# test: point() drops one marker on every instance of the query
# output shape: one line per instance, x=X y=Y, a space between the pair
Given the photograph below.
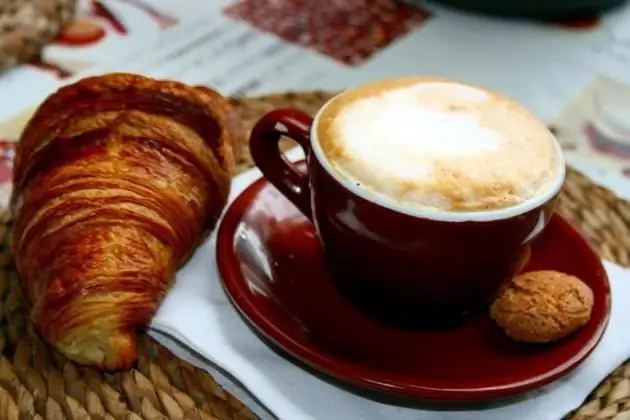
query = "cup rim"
x=436 y=215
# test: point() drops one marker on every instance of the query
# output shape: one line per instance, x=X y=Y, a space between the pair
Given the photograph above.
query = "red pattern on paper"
x=163 y=20
x=349 y=31
x=581 y=24
x=53 y=68
x=81 y=32
x=7 y=152
x=101 y=10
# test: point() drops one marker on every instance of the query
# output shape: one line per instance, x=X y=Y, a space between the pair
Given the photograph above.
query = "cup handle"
x=264 y=148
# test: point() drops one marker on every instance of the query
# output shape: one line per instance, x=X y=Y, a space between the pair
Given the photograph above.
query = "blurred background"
x=568 y=61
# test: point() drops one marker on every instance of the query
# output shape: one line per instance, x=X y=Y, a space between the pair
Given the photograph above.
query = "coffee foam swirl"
x=437 y=144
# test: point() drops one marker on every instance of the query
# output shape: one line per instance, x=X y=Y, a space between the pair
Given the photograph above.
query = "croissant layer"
x=117 y=179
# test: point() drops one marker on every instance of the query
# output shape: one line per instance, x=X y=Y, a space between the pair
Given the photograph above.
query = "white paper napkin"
x=198 y=324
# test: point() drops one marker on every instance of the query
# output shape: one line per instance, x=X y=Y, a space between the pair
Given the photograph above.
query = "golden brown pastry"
x=542 y=306
x=117 y=179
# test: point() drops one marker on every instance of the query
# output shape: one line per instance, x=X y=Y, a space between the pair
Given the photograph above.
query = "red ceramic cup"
x=400 y=264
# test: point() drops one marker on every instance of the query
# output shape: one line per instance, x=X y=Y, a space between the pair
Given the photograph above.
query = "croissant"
x=117 y=179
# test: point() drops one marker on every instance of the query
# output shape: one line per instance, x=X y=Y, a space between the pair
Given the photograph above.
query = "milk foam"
x=439 y=145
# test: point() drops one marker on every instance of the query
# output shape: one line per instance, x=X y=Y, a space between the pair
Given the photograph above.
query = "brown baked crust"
x=117 y=179
x=542 y=306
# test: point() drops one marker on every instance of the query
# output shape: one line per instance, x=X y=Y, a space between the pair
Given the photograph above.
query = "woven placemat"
x=27 y=25
x=36 y=382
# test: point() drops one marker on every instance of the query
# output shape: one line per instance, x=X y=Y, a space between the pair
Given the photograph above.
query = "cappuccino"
x=436 y=144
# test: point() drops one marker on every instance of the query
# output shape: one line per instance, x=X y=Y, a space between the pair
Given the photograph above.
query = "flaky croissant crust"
x=117 y=179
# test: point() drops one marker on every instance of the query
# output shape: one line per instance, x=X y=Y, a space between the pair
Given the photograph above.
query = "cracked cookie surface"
x=542 y=306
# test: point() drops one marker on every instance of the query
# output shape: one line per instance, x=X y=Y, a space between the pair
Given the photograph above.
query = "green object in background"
x=535 y=9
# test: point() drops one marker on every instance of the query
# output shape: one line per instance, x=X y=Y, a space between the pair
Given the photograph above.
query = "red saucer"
x=271 y=265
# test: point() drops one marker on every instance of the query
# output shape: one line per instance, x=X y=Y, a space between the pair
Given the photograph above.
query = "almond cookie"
x=542 y=306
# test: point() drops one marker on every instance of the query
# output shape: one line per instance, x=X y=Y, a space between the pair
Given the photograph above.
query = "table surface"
x=560 y=72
